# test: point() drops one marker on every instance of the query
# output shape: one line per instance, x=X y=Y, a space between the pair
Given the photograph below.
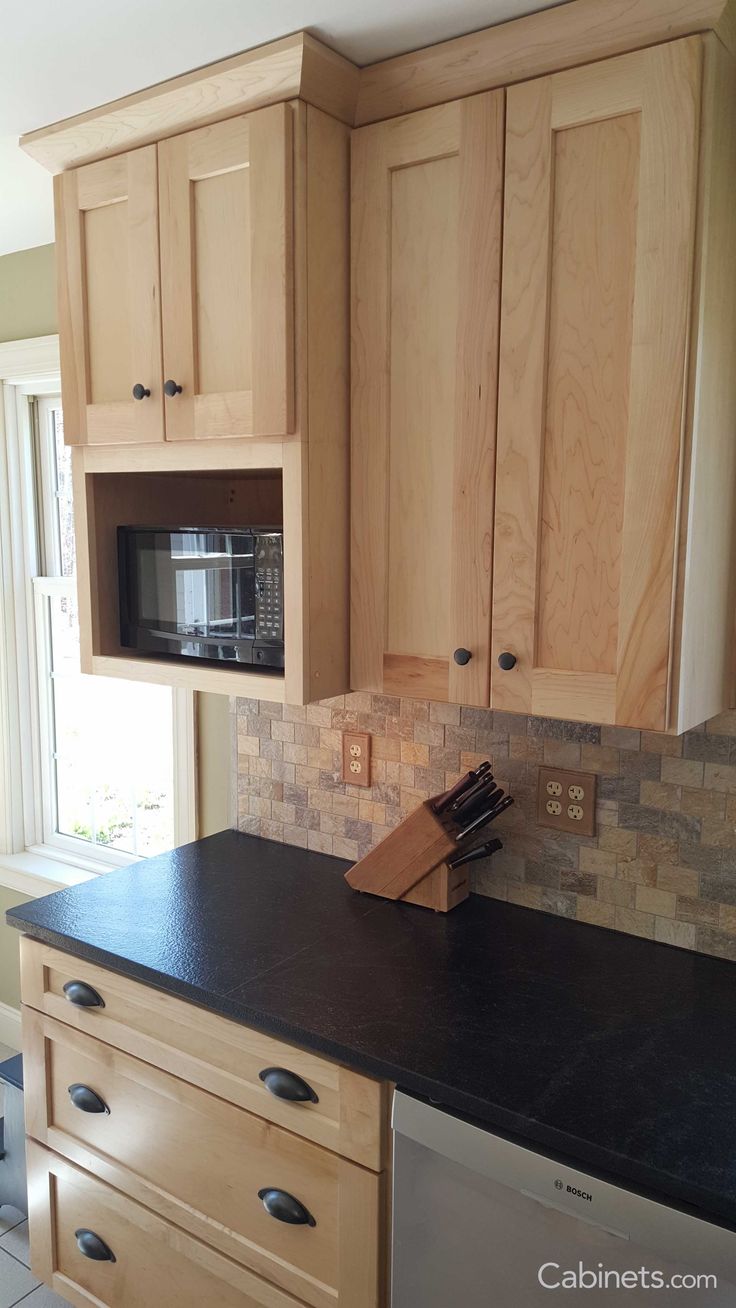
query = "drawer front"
x=204 y=1164
x=155 y=1263
x=348 y=1113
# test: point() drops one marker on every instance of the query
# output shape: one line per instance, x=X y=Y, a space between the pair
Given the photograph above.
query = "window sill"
x=35 y=874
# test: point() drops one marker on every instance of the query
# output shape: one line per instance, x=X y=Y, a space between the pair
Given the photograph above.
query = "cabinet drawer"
x=204 y=1164
x=348 y=1115
x=155 y=1263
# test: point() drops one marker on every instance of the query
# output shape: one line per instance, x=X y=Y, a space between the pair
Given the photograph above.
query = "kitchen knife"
x=482 y=799
x=488 y=815
x=441 y=802
x=482 y=851
x=474 y=792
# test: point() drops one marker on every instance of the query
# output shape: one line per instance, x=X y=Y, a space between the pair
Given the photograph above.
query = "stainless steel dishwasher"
x=481 y=1222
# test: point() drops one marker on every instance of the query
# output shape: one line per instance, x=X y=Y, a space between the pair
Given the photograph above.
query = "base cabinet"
x=180 y=1183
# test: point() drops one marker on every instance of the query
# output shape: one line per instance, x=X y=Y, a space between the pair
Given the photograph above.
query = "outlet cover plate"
x=356 y=758
x=575 y=781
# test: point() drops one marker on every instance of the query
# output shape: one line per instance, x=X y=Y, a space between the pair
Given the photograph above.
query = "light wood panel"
x=155 y=1262
x=109 y=300
x=591 y=393
x=227 y=277
x=577 y=32
x=201 y=1162
x=297 y=65
x=221 y=1057
x=704 y=615
x=426 y=239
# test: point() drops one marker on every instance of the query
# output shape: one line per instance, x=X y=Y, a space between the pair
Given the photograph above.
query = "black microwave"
x=203 y=592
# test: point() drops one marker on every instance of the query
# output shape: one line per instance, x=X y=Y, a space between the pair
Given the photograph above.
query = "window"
x=106 y=765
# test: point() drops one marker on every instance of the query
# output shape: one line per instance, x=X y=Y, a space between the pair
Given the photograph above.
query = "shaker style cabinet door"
x=600 y=196
x=226 y=210
x=426 y=231
x=109 y=300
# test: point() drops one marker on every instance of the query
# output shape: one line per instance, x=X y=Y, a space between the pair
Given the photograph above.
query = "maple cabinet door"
x=600 y=198
x=109 y=300
x=426 y=230
x=226 y=208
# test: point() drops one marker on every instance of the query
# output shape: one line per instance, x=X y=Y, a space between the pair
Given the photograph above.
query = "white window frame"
x=33 y=856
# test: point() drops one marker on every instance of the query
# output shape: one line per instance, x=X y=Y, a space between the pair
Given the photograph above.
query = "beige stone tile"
x=345 y=805
x=600 y=758
x=295 y=713
x=658 y=849
x=727 y=918
x=618 y=841
x=319 y=714
x=670 y=932
x=447 y=713
x=620 y=893
x=720 y=776
x=386 y=747
x=637 y=871
x=634 y=923
x=306 y=776
x=682 y=771
x=468 y=761
x=414 y=753
x=294 y=753
x=248 y=745
x=699 y=911
x=718 y=833
x=653 y=794
x=723 y=725
x=319 y=758
x=597 y=860
x=595 y=911
x=649 y=899
x=332 y=824
x=656 y=742
x=295 y=836
x=329 y=739
x=706 y=803
x=528 y=896
x=324 y=800
x=344 y=848
x=282 y=730
x=282 y=812
x=680 y=880
x=358 y=701
x=370 y=811
x=319 y=841
x=562 y=753
x=621 y=738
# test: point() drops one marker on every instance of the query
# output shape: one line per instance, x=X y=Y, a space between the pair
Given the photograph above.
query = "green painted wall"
x=28 y=294
x=28 y=308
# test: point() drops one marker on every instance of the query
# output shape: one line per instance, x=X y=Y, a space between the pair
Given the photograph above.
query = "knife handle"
x=478 y=791
x=488 y=816
x=483 y=851
x=441 y=802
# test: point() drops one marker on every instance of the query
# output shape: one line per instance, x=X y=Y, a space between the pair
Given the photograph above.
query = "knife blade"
x=483 y=851
x=488 y=815
x=443 y=801
x=468 y=796
x=473 y=805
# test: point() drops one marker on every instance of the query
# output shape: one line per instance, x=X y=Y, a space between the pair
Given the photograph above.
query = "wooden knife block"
x=410 y=864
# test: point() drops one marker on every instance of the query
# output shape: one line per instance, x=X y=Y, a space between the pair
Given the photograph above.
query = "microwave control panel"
x=269 y=588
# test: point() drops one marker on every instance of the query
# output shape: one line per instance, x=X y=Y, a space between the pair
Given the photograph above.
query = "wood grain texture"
x=578 y=32
x=212 y=1190
x=404 y=857
x=154 y=1261
x=704 y=664
x=416 y=676
x=426 y=239
x=297 y=65
x=661 y=87
x=109 y=300
x=596 y=171
x=213 y=1053
x=225 y=199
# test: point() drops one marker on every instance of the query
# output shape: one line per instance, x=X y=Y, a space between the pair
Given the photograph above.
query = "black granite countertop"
x=619 y=1053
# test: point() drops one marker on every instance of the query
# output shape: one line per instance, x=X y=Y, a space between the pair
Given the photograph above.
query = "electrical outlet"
x=566 y=800
x=356 y=758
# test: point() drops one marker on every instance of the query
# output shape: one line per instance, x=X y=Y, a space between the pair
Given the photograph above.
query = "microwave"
x=203 y=592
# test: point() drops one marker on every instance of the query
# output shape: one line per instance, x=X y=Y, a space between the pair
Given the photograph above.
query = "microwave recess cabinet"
x=544 y=398
x=204 y=340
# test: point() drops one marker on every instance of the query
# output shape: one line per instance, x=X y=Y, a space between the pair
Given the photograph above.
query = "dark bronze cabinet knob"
x=82 y=995
x=462 y=656
x=93 y=1247
x=140 y=392
x=171 y=388
x=506 y=661
x=287 y=1085
x=86 y=1099
x=285 y=1208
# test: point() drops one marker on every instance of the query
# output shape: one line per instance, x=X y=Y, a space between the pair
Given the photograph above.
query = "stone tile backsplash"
x=663 y=864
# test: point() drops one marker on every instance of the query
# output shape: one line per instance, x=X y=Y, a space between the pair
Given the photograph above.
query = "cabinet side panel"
x=704 y=657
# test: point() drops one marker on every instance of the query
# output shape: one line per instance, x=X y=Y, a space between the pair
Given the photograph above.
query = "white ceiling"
x=58 y=59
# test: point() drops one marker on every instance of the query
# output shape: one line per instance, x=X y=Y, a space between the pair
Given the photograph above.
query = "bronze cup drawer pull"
x=287 y=1085
x=86 y=1099
x=82 y=995
x=92 y=1246
x=285 y=1208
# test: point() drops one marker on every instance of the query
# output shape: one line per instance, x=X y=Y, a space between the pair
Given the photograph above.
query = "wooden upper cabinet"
x=600 y=205
x=226 y=215
x=426 y=232
x=109 y=300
